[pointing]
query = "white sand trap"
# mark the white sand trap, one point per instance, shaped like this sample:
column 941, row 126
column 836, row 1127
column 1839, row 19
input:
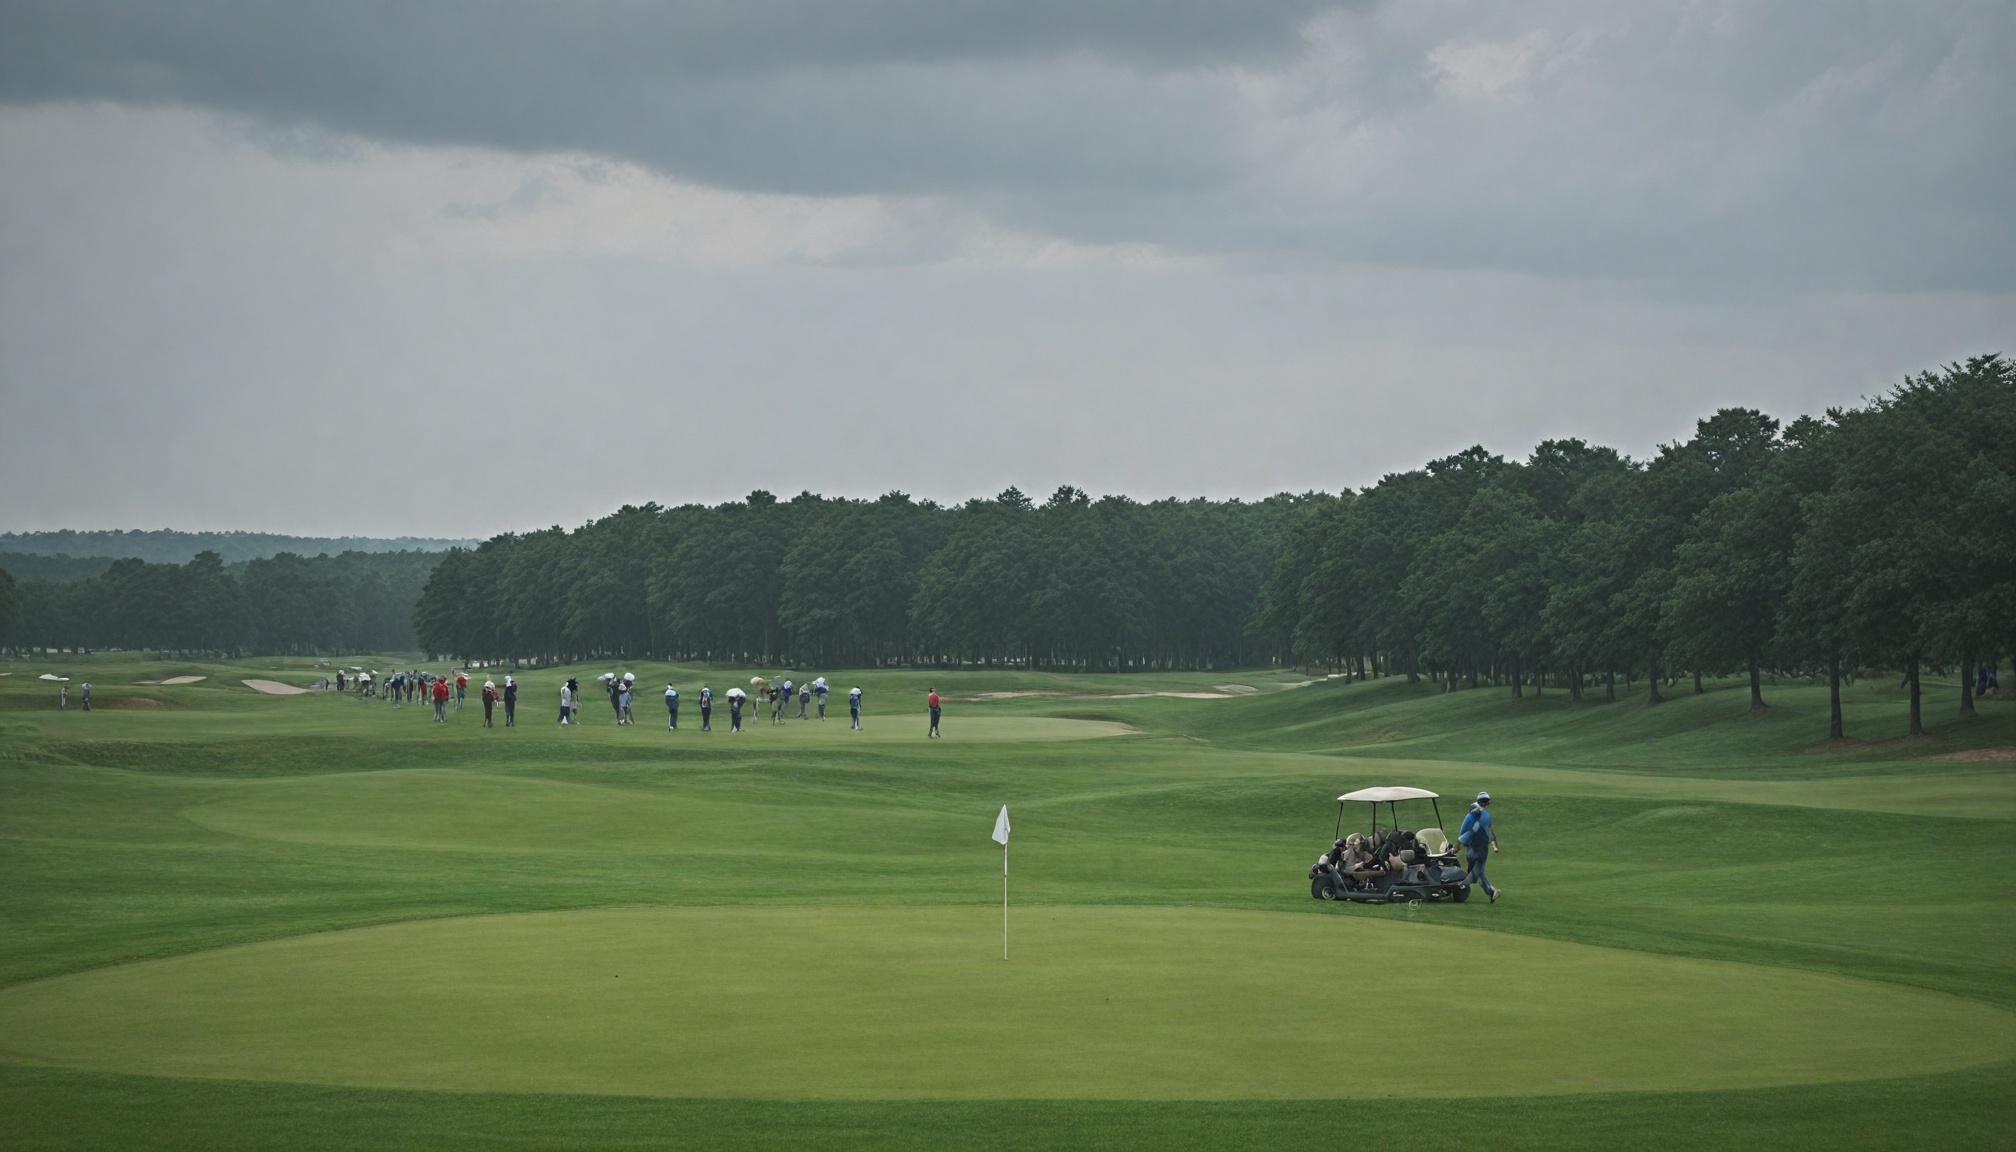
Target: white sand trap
column 189, row 680
column 1236, row 689
column 272, row 687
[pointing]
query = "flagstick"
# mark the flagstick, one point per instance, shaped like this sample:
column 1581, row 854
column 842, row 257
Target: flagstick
column 1004, row 901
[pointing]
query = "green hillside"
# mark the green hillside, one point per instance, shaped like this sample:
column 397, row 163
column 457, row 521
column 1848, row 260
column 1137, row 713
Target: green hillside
column 242, row 920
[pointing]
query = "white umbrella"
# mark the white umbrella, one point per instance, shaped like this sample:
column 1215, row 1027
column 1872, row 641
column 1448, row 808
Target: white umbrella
column 738, row 694
column 53, row 676
column 759, row 680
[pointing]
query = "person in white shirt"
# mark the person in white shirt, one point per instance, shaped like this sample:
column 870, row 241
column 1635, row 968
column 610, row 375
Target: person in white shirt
column 566, row 700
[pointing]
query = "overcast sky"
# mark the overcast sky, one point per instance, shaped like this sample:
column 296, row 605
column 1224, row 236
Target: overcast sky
column 457, row 268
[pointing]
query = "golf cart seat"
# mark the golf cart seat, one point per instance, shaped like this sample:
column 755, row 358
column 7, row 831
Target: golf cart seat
column 1434, row 842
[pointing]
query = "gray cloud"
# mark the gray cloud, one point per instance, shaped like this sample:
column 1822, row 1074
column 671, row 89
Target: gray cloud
column 1819, row 145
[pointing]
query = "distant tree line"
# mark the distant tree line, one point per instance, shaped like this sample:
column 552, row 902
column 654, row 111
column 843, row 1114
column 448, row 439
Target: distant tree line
column 353, row 602
column 168, row 546
column 1877, row 537
column 1072, row 583
column 60, row 568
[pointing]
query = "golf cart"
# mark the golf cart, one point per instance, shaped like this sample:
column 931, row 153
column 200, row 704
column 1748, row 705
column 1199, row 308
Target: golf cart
column 1380, row 867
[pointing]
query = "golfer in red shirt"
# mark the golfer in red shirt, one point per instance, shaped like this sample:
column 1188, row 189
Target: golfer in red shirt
column 441, row 700
column 932, row 700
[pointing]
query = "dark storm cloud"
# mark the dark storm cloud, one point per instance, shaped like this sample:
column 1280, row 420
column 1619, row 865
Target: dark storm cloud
column 780, row 95
column 1822, row 144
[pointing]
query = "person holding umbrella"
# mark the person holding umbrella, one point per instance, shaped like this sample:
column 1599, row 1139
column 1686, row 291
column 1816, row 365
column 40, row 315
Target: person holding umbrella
column 489, row 702
column 706, row 709
column 854, row 707
column 735, row 698
column 510, row 702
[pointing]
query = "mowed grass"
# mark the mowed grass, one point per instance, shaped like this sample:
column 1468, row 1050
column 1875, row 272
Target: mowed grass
column 892, row 1003
column 1864, row 880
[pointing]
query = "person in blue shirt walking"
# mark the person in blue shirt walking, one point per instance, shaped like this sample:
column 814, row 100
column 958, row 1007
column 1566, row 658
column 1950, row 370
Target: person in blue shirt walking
column 854, row 707
column 1479, row 841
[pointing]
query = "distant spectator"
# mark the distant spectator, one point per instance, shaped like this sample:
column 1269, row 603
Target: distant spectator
column 706, row 709
column 933, row 702
column 510, row 702
column 671, row 708
column 489, row 702
column 819, row 689
column 87, row 695
column 854, row 707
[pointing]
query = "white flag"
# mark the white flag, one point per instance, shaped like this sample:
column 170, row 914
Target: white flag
column 1001, row 827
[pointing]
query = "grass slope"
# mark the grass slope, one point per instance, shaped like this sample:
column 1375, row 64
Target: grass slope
column 177, row 819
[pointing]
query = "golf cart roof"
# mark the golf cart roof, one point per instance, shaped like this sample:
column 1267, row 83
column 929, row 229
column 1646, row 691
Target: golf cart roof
column 1386, row 795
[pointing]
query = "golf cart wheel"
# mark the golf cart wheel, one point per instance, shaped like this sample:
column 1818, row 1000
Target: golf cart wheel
column 1460, row 893
column 1326, row 889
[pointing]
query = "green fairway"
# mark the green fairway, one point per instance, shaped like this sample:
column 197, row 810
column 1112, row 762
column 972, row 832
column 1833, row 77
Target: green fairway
column 263, row 920
column 820, row 1003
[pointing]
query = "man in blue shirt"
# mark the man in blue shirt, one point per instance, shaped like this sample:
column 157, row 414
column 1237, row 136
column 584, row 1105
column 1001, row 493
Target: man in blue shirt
column 1479, row 841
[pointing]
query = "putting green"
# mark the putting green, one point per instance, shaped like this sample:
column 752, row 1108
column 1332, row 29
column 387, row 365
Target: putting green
column 916, row 1002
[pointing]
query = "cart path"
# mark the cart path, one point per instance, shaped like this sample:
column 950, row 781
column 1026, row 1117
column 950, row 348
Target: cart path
column 888, row 1003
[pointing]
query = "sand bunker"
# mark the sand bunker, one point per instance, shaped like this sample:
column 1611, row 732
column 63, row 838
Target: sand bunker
column 2003, row 753
column 192, row 680
column 271, row 687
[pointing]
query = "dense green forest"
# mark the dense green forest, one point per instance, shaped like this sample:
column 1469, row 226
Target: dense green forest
column 1877, row 538
column 1881, row 537
column 167, row 546
column 59, row 567
column 1070, row 583
column 352, row 602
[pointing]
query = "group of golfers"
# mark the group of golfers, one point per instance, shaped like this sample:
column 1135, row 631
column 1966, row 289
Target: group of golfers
column 622, row 692
column 448, row 691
